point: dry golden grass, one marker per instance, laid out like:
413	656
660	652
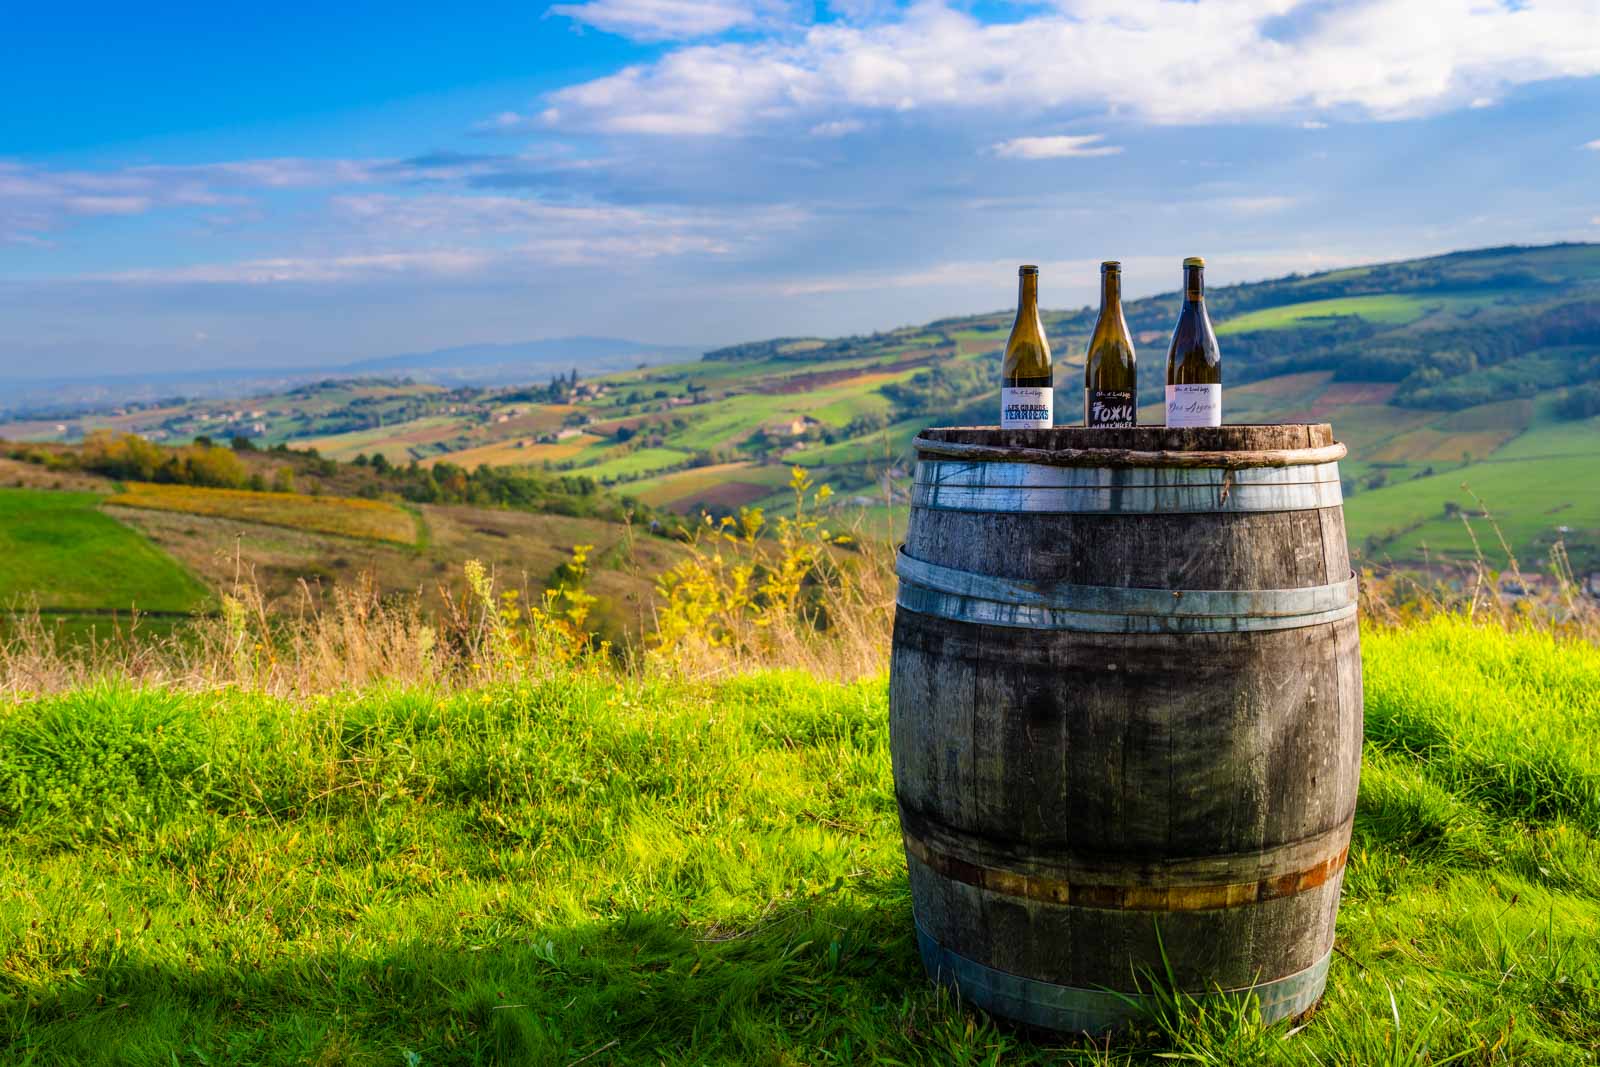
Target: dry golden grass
19	475
369	519
745	595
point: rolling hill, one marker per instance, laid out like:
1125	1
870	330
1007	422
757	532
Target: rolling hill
1466	386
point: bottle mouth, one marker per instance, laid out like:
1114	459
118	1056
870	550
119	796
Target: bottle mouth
1111	266
1194	261
1027	268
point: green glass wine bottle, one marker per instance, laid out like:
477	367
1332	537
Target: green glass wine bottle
1110	370
1194	363
1026	382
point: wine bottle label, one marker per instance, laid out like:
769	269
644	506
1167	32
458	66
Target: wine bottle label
1027	408
1194	405
1110	408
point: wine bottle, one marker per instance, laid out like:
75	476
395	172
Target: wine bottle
1110	371
1194	363
1026	393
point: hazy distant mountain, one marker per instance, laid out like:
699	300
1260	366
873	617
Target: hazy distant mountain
588	353
483	364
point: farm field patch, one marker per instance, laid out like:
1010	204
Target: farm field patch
640	461
681	491
1390	310
1429	444
1555	437
60	551
348	517
509	454
394	442
1529	499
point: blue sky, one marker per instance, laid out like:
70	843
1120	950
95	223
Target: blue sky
303	184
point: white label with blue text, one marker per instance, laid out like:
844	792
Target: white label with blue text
1027	408
1194	405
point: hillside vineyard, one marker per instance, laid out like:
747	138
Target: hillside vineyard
1110	367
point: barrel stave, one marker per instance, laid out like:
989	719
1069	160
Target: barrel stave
1274	550
1126	744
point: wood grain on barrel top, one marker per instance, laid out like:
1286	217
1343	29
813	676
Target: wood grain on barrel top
1122	457
1241	438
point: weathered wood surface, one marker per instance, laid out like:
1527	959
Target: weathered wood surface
1060	456
1063	793
1269	437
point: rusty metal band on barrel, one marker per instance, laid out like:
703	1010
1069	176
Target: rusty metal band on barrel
1128	897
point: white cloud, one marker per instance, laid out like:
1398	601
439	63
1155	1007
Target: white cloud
1254	205
1061	147
1160	61
506	122
1313	124
563	232
34	199
664	20
384	236
1593	146
308	269
1066	282
838	128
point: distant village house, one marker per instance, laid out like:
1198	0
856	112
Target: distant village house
788	429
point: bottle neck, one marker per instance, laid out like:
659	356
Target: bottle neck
1027	295
1110	289
1194	286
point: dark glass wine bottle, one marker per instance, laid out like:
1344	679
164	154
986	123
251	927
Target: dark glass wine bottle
1194	363
1110	370
1026	382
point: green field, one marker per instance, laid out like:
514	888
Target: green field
880	449
617	871
1388	310
61	551
1543	480
393	442
640	461
686	486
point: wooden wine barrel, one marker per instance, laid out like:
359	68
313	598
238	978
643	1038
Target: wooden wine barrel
1125	715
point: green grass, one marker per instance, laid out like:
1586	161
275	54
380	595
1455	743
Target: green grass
653	873
1386	310
59	550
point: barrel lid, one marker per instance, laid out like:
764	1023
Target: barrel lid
1236	446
